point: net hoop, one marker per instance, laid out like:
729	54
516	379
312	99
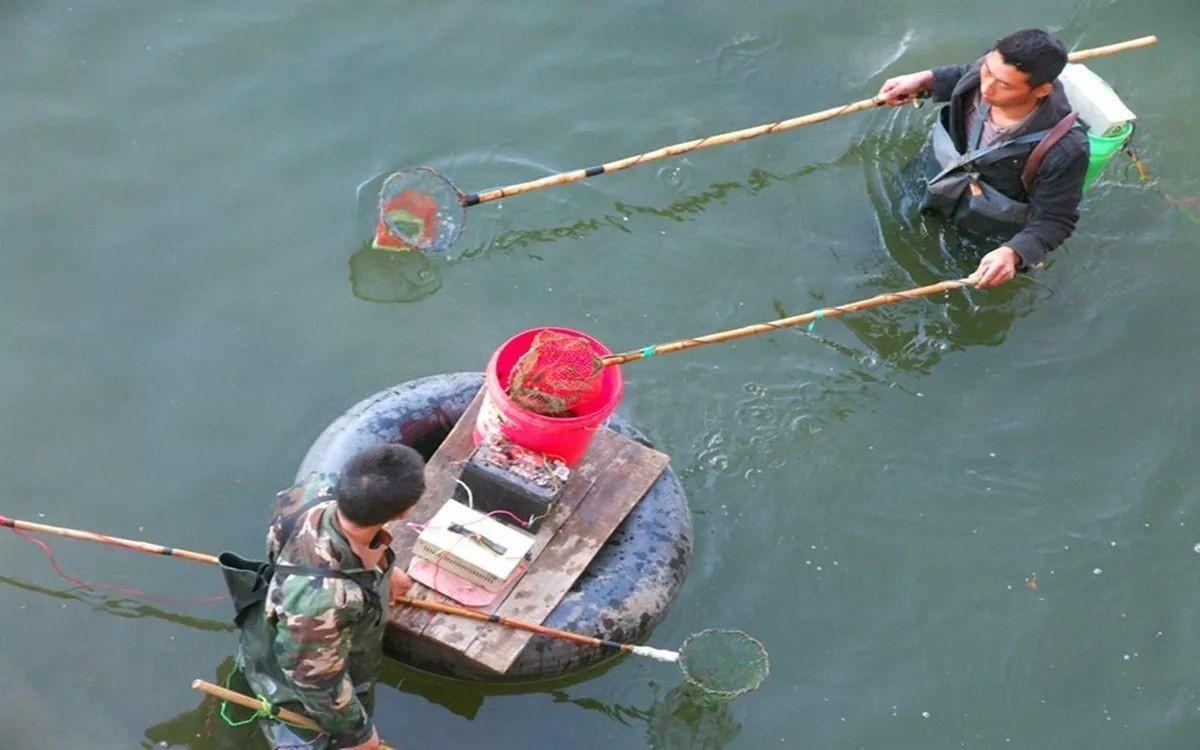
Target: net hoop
739	648
419	209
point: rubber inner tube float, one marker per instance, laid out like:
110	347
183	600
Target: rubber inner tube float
622	594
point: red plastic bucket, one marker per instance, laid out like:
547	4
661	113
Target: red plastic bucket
565	437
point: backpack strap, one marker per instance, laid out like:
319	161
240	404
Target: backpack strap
969	158
1056	134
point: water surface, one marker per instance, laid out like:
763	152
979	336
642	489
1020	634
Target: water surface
965	522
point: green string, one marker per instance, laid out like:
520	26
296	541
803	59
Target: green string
648	352
265	709
813	322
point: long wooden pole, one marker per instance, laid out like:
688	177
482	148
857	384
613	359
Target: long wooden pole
114	541
291	717
449	609
734	136
1110	49
878	300
158	549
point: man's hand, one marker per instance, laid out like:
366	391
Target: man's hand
899	90
401	583
996	267
372	743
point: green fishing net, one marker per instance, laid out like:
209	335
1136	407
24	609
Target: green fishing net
723	664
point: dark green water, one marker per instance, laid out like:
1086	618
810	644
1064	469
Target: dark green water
186	304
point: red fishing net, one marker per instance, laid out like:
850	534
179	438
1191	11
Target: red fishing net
558	374
419	209
413	214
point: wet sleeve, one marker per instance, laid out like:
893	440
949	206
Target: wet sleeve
945	79
312	643
1054	206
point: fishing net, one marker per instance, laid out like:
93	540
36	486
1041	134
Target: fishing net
723	664
419	209
558	374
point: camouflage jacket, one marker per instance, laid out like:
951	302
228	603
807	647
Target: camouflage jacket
319	639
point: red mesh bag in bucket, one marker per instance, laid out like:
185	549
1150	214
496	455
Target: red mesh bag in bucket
562	394
559	374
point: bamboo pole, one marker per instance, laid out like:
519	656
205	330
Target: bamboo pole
291	717
1109	49
114	541
744	134
879	300
158	549
246	701
449	609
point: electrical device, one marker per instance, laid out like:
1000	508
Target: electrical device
472	545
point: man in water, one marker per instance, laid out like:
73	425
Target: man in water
316	642
1011	157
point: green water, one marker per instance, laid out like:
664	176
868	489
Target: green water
186	303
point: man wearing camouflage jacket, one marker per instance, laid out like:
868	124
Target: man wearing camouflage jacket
317	640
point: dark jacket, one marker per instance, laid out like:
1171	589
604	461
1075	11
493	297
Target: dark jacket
1058	187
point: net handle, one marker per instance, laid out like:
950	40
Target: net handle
158	549
258	705
113	541
733	136
879	300
449	609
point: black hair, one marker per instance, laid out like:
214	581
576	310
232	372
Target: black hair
380	483
1036	53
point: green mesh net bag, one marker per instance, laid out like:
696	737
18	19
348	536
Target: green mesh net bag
723	664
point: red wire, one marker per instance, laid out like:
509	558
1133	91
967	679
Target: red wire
49	553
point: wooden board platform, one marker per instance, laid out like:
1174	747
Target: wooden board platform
612	477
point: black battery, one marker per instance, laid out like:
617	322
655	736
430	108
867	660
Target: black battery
504	476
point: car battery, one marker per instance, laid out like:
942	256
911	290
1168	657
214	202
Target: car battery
504	476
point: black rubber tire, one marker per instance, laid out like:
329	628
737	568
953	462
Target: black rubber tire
622	594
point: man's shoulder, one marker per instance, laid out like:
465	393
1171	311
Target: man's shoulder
1073	147
311	541
296	504
312	487
307	581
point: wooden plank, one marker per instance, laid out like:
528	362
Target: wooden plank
620	485
459	633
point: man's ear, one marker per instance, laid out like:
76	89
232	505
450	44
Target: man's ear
1041	92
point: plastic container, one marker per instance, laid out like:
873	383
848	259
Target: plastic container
565	437
1102	150
1096	102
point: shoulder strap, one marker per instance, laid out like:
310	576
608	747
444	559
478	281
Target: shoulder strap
1056	134
305	570
982	112
977	154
